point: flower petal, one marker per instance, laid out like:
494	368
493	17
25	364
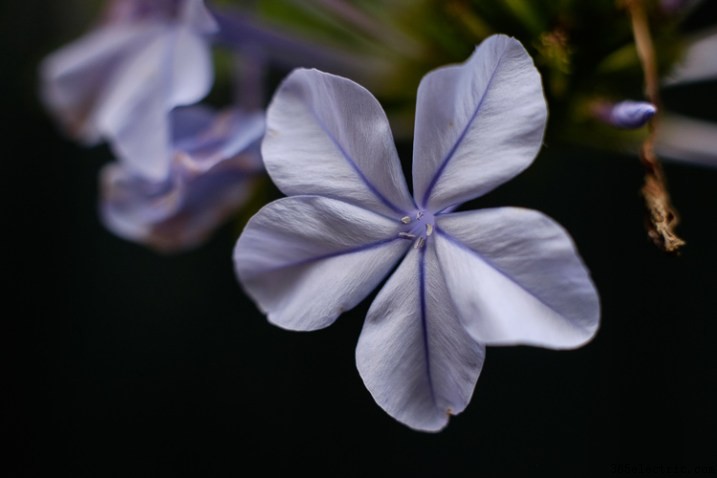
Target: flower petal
120	81
516	278
700	62
216	158
477	124
74	77
328	136
680	138
173	69
414	356
197	16
189	122
173	215
207	137
307	259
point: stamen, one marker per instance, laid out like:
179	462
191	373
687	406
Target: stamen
429	229
419	242
406	219
419	214
406	235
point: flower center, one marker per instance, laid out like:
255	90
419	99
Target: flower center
418	226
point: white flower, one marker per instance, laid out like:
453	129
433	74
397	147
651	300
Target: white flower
465	279
119	82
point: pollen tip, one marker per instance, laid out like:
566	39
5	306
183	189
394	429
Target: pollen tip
429	229
419	242
406	219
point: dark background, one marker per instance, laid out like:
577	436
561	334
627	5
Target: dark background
123	362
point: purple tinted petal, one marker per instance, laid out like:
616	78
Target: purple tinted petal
477	124
171	70
414	356
207	182
176	214
190	122
516	278
307	259
120	82
195	15
75	78
207	137
328	136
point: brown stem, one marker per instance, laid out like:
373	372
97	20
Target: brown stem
662	216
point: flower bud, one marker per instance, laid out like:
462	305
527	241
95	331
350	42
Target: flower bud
626	114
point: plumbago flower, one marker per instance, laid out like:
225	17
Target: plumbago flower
215	159
465	279
119	82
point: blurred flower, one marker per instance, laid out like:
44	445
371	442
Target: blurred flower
685	139
465	280
214	161
215	158
699	62
625	114
681	138
119	82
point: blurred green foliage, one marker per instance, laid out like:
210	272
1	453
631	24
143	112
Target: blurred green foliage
584	50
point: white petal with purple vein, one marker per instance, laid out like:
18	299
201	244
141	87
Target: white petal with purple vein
328	136
414	356
307	259
477	124
516	278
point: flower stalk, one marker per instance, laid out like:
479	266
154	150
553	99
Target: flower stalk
662	216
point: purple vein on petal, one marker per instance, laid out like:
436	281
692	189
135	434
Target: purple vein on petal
361	248
356	169
454	148
490	263
424	324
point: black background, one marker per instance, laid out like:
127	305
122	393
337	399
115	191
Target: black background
123	362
